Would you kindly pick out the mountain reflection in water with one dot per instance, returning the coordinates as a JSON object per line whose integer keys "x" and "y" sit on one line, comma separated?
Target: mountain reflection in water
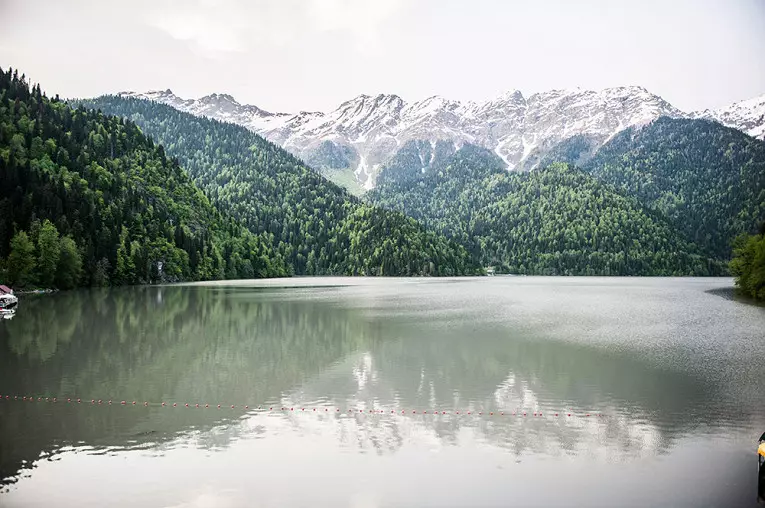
{"x": 344, "y": 348}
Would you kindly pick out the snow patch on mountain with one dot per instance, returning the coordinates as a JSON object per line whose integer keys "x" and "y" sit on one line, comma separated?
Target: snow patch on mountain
{"x": 747, "y": 116}
{"x": 519, "y": 129}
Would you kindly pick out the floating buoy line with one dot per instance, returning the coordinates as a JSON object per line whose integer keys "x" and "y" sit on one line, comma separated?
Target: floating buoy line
{"x": 298, "y": 409}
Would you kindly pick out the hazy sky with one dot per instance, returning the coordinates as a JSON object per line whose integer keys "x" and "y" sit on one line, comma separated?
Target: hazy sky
{"x": 290, "y": 55}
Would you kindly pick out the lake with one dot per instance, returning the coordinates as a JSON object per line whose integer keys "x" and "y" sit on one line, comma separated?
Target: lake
{"x": 342, "y": 379}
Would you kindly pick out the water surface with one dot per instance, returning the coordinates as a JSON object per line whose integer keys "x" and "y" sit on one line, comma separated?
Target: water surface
{"x": 670, "y": 372}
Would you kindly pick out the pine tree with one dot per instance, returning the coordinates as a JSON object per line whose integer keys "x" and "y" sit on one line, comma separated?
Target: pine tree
{"x": 21, "y": 261}
{"x": 48, "y": 252}
{"x": 69, "y": 270}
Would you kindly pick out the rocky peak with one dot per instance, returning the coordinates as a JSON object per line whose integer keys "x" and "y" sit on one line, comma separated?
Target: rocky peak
{"x": 519, "y": 129}
{"x": 747, "y": 115}
{"x": 222, "y": 98}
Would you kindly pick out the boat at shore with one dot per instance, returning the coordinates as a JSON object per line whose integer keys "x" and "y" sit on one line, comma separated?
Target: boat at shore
{"x": 8, "y": 301}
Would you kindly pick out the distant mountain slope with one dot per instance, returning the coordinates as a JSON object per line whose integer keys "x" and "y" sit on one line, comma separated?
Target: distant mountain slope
{"x": 521, "y": 130}
{"x": 557, "y": 220}
{"x": 373, "y": 128}
{"x": 317, "y": 226}
{"x": 124, "y": 210}
{"x": 709, "y": 180}
{"x": 747, "y": 116}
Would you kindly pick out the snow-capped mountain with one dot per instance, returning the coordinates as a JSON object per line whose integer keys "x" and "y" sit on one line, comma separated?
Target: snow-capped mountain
{"x": 518, "y": 129}
{"x": 747, "y": 116}
{"x": 222, "y": 107}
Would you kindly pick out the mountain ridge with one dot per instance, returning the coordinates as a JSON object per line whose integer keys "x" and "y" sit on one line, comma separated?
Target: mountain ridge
{"x": 316, "y": 226}
{"x": 519, "y": 129}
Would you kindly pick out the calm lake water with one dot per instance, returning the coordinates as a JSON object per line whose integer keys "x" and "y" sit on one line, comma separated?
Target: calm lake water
{"x": 672, "y": 372}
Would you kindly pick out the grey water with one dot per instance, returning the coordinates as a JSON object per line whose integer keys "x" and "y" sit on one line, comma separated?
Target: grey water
{"x": 671, "y": 372}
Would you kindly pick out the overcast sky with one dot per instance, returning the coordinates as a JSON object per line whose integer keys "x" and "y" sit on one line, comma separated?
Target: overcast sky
{"x": 290, "y": 55}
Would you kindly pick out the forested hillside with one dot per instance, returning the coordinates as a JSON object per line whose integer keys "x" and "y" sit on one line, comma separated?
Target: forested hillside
{"x": 88, "y": 199}
{"x": 709, "y": 180}
{"x": 318, "y": 227}
{"x": 556, "y": 220}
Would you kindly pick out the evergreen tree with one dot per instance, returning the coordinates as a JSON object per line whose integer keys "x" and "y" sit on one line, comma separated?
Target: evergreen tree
{"x": 708, "y": 180}
{"x": 100, "y": 277}
{"x": 48, "y": 252}
{"x": 98, "y": 181}
{"x": 315, "y": 225}
{"x": 69, "y": 270}
{"x": 552, "y": 221}
{"x": 21, "y": 261}
{"x": 748, "y": 264}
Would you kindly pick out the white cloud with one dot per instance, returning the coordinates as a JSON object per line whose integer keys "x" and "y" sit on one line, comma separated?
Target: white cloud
{"x": 216, "y": 26}
{"x": 361, "y": 18}
{"x": 200, "y": 22}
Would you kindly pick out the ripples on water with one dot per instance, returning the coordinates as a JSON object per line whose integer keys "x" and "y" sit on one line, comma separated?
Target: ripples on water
{"x": 669, "y": 364}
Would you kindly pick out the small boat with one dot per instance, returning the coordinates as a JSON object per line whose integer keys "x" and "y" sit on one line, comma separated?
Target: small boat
{"x": 8, "y": 301}
{"x": 761, "y": 451}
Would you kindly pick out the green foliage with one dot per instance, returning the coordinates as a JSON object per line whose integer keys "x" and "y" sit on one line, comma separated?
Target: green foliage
{"x": 413, "y": 251}
{"x": 48, "y": 253}
{"x": 21, "y": 261}
{"x": 709, "y": 180}
{"x": 748, "y": 264}
{"x": 69, "y": 269}
{"x": 556, "y": 220}
{"x": 317, "y": 227}
{"x": 132, "y": 213}
{"x": 413, "y": 159}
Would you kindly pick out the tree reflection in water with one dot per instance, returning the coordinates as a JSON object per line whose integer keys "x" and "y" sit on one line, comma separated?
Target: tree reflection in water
{"x": 237, "y": 346}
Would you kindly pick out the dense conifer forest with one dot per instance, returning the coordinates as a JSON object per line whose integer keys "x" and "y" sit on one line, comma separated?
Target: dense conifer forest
{"x": 121, "y": 190}
{"x": 555, "y": 220}
{"x": 317, "y": 227}
{"x": 707, "y": 179}
{"x": 88, "y": 199}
